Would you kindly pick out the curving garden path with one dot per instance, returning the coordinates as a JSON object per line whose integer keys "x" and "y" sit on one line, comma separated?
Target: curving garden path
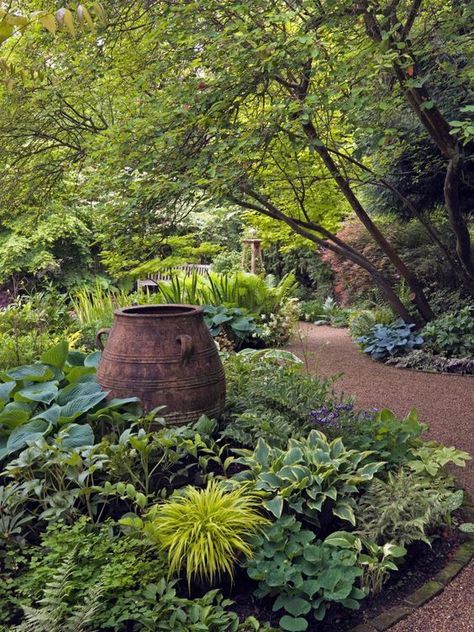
{"x": 445, "y": 402}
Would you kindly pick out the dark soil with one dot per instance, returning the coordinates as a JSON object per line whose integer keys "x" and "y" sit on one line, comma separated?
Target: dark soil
{"x": 422, "y": 564}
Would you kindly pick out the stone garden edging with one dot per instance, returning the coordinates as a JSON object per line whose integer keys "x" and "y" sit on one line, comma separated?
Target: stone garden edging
{"x": 429, "y": 589}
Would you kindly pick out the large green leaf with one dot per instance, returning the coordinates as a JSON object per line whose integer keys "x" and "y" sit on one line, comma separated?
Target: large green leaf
{"x": 293, "y": 624}
{"x": 5, "y": 390}
{"x": 78, "y": 389}
{"x": 51, "y": 415}
{"x": 77, "y": 407}
{"x": 78, "y": 372}
{"x": 77, "y": 435}
{"x": 14, "y": 415}
{"x": 113, "y": 404}
{"x": 31, "y": 431}
{"x": 43, "y": 392}
{"x": 76, "y": 358}
{"x": 274, "y": 506}
{"x": 31, "y": 373}
{"x": 56, "y": 356}
{"x": 93, "y": 359}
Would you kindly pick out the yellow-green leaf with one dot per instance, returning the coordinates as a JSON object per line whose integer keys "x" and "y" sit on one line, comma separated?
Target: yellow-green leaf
{"x": 48, "y": 21}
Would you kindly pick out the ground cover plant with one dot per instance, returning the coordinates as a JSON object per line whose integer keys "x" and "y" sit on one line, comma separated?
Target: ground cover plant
{"x": 279, "y": 492}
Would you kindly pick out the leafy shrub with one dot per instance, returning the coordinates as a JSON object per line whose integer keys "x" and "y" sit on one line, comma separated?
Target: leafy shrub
{"x": 451, "y": 334}
{"x": 385, "y": 436}
{"x": 362, "y": 321}
{"x": 405, "y": 507}
{"x": 227, "y": 261}
{"x": 305, "y": 575}
{"x": 135, "y": 593}
{"x": 235, "y": 324}
{"x": 313, "y": 477}
{"x": 327, "y": 313}
{"x": 56, "y": 392}
{"x": 390, "y": 340}
{"x": 252, "y": 385}
{"x": 275, "y": 329}
{"x": 29, "y": 325}
{"x": 205, "y": 531}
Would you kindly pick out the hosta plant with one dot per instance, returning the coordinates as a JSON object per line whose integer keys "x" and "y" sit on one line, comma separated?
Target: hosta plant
{"x": 206, "y": 532}
{"x": 36, "y": 400}
{"x": 312, "y": 475}
{"x": 389, "y": 340}
{"x": 303, "y": 575}
{"x": 376, "y": 561}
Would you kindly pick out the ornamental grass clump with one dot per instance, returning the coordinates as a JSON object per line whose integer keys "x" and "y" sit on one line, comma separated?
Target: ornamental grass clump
{"x": 205, "y": 531}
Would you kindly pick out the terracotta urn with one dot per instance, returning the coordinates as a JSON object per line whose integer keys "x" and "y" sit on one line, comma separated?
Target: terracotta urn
{"x": 165, "y": 355}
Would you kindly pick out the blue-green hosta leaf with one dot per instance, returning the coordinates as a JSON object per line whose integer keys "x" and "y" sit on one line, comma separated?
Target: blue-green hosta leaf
{"x": 51, "y": 415}
{"x": 93, "y": 359}
{"x": 56, "y": 356}
{"x": 3, "y": 447}
{"x": 43, "y": 392}
{"x": 5, "y": 390}
{"x": 292, "y": 624}
{"x": 274, "y": 506}
{"x": 31, "y": 431}
{"x": 114, "y": 404}
{"x": 79, "y": 389}
{"x": 76, "y": 436}
{"x": 76, "y": 358}
{"x": 78, "y": 372}
{"x": 15, "y": 414}
{"x": 31, "y": 372}
{"x": 344, "y": 511}
{"x": 77, "y": 407}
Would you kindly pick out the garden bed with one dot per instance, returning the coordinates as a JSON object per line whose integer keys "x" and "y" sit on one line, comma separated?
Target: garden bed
{"x": 422, "y": 565}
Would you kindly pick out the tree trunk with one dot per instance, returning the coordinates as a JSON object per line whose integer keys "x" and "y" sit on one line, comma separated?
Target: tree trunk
{"x": 418, "y": 297}
{"x": 337, "y": 246}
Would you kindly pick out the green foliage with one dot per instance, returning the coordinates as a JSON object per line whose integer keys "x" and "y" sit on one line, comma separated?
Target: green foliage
{"x": 386, "y": 436}
{"x": 405, "y": 508}
{"x": 267, "y": 381}
{"x": 54, "y": 394}
{"x": 313, "y": 476}
{"x": 29, "y": 325}
{"x": 51, "y": 616}
{"x": 227, "y": 261}
{"x": 95, "y": 305}
{"x": 232, "y": 320}
{"x": 451, "y": 334}
{"x": 327, "y": 313}
{"x": 376, "y": 561}
{"x": 205, "y": 531}
{"x": 305, "y": 575}
{"x": 362, "y": 321}
{"x": 390, "y": 340}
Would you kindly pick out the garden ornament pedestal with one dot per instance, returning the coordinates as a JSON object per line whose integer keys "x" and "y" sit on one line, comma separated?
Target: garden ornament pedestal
{"x": 165, "y": 355}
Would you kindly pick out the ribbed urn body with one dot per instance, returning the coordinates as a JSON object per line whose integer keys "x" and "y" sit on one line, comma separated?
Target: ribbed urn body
{"x": 165, "y": 355}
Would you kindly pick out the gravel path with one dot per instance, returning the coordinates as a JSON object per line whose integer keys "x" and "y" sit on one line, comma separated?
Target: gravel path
{"x": 445, "y": 402}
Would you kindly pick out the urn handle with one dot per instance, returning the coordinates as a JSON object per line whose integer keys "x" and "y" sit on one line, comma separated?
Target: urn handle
{"x": 98, "y": 338}
{"x": 187, "y": 347}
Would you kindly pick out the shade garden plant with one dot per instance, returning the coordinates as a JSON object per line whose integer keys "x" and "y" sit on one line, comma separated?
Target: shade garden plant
{"x": 112, "y": 520}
